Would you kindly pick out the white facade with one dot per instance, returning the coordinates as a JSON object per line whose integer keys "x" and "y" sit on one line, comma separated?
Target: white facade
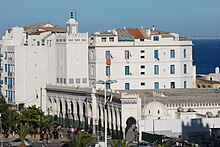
{"x": 33, "y": 58}
{"x": 142, "y": 59}
{"x": 174, "y": 113}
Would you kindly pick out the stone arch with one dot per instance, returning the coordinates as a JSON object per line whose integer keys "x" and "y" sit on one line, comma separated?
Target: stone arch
{"x": 60, "y": 112}
{"x": 130, "y": 128}
{"x": 99, "y": 129}
{"x": 66, "y": 116}
{"x": 78, "y": 115}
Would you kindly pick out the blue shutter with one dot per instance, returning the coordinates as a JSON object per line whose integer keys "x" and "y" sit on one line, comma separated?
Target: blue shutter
{"x": 156, "y": 55}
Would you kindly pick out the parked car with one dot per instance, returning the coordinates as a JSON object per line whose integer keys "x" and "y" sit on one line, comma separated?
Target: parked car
{"x": 17, "y": 143}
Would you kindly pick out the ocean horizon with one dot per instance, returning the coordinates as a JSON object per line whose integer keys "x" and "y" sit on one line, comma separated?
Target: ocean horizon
{"x": 206, "y": 55}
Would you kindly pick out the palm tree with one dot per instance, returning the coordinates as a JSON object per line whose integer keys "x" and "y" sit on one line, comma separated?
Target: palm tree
{"x": 10, "y": 119}
{"x": 84, "y": 139}
{"x": 117, "y": 143}
{"x": 22, "y": 132}
{"x": 47, "y": 122}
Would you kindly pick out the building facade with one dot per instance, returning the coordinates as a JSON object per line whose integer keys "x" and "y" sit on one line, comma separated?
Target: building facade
{"x": 140, "y": 58}
{"x": 42, "y": 53}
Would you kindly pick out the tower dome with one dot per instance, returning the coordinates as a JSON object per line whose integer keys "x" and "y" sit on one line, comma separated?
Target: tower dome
{"x": 72, "y": 25}
{"x": 154, "y": 109}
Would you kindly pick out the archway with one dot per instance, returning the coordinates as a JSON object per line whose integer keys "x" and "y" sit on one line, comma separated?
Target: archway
{"x": 130, "y": 130}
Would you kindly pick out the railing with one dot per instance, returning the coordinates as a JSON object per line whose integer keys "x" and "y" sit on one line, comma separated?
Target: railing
{"x": 183, "y": 38}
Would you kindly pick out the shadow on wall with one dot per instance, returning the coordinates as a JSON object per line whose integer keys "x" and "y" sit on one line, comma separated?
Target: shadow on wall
{"x": 195, "y": 130}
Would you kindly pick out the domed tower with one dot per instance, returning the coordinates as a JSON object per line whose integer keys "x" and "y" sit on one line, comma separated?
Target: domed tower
{"x": 72, "y": 25}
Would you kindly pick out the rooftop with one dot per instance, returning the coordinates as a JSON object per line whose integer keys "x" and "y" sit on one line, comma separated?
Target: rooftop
{"x": 37, "y": 28}
{"x": 129, "y": 34}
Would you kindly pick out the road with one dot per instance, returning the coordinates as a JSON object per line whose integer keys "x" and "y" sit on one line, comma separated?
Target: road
{"x": 39, "y": 144}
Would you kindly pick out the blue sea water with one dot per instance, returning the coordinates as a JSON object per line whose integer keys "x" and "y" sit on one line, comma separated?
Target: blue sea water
{"x": 206, "y": 55}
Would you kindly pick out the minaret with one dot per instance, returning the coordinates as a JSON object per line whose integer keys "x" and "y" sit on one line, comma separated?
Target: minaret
{"x": 72, "y": 25}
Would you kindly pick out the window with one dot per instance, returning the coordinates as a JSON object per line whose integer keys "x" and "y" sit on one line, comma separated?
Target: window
{"x": 92, "y": 55}
{"x": 156, "y": 69}
{"x": 6, "y": 69}
{"x": 185, "y": 69}
{"x": 142, "y": 57}
{"x": 64, "y": 80}
{"x": 156, "y": 54}
{"x": 156, "y": 85}
{"x": 142, "y": 73}
{"x": 108, "y": 86}
{"x": 92, "y": 71}
{"x": 107, "y": 55}
{"x": 5, "y": 80}
{"x": 71, "y": 81}
{"x": 142, "y": 66}
{"x": 156, "y": 38}
{"x": 61, "y": 80}
{"x": 184, "y": 53}
{"x": 127, "y": 54}
{"x": 172, "y": 69}
{"x": 142, "y": 39}
{"x": 142, "y": 83}
{"x": 127, "y": 70}
{"x": 57, "y": 80}
{"x": 142, "y": 51}
{"x": 185, "y": 84}
{"x": 172, "y": 53}
{"x": 38, "y": 43}
{"x": 103, "y": 39}
{"x": 107, "y": 71}
{"x": 127, "y": 86}
{"x": 172, "y": 85}
{"x": 111, "y": 39}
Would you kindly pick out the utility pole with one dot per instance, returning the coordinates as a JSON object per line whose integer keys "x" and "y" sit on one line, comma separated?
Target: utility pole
{"x": 1, "y": 129}
{"x": 40, "y": 105}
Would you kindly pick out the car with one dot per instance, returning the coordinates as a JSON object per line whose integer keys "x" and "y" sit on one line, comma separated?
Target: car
{"x": 17, "y": 143}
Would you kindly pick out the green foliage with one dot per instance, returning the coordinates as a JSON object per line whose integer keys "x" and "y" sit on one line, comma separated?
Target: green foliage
{"x": 10, "y": 119}
{"x": 31, "y": 115}
{"x": 3, "y": 105}
{"x": 118, "y": 143}
{"x": 47, "y": 122}
{"x": 22, "y": 132}
{"x": 83, "y": 139}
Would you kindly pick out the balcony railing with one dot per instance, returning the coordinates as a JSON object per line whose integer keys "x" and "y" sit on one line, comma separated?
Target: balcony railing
{"x": 183, "y": 38}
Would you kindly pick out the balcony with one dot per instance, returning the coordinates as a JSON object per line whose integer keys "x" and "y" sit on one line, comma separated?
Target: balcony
{"x": 1, "y": 55}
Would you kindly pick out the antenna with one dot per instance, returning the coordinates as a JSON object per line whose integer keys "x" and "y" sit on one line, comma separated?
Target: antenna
{"x": 75, "y": 16}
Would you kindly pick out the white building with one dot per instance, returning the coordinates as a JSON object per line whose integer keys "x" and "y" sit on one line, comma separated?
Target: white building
{"x": 39, "y": 54}
{"x": 140, "y": 58}
{"x": 181, "y": 112}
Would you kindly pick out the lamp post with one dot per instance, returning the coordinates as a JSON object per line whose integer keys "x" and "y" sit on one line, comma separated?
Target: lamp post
{"x": 1, "y": 129}
{"x": 105, "y": 102}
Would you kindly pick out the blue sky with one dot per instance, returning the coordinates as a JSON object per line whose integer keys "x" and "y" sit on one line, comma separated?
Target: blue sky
{"x": 186, "y": 17}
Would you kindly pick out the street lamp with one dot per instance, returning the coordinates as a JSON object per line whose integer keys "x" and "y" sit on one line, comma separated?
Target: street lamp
{"x": 1, "y": 129}
{"x": 105, "y": 101}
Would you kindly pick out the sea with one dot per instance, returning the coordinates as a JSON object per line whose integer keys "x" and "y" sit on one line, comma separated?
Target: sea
{"x": 206, "y": 55}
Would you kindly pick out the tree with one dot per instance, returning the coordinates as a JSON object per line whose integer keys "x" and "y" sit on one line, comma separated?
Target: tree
{"x": 31, "y": 115}
{"x": 118, "y": 143}
{"x": 22, "y": 132}
{"x": 84, "y": 139}
{"x": 3, "y": 105}
{"x": 10, "y": 119}
{"x": 47, "y": 122}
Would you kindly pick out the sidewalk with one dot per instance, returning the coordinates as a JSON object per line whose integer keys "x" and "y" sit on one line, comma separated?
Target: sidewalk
{"x": 37, "y": 139}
